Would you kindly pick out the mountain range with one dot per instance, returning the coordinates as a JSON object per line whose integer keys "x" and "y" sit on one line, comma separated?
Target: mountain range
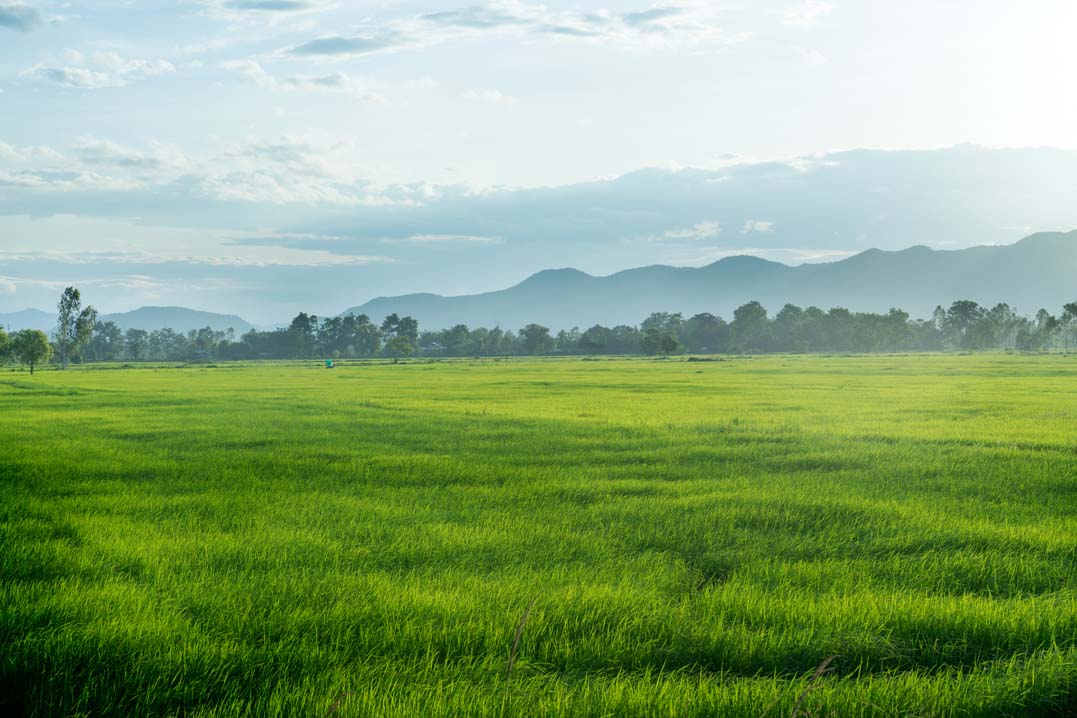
{"x": 1038, "y": 271}
{"x": 179, "y": 319}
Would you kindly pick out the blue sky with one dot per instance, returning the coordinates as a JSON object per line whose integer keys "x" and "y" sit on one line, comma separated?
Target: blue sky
{"x": 262, "y": 156}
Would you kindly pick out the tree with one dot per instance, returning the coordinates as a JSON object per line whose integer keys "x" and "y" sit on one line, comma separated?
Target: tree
{"x": 168, "y": 344}
{"x": 457, "y": 341}
{"x": 650, "y": 341}
{"x": 705, "y": 333}
{"x": 74, "y": 324}
{"x": 302, "y": 331}
{"x": 669, "y": 344}
{"x": 536, "y": 339}
{"x": 31, "y": 346}
{"x": 408, "y": 327}
{"x": 786, "y": 329}
{"x": 567, "y": 342}
{"x": 479, "y": 341}
{"x": 659, "y": 333}
{"x": 961, "y": 317}
{"x": 623, "y": 339}
{"x": 5, "y": 345}
{"x": 333, "y": 335}
{"x": 394, "y": 326}
{"x": 750, "y": 328}
{"x": 663, "y": 322}
{"x": 351, "y": 335}
{"x": 897, "y": 333}
{"x": 595, "y": 340}
{"x": 1069, "y": 325}
{"x": 137, "y": 340}
{"x": 400, "y": 345}
{"x": 1046, "y": 326}
{"x": 389, "y": 325}
{"x": 107, "y": 341}
{"x": 1000, "y": 327}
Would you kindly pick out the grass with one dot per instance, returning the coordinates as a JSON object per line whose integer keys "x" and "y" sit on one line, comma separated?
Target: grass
{"x": 696, "y": 538}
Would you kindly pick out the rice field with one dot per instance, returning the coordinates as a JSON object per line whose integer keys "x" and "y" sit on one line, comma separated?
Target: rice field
{"x": 542, "y": 538}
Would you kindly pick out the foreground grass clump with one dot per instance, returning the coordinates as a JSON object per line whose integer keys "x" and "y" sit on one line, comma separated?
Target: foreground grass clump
{"x": 282, "y": 540}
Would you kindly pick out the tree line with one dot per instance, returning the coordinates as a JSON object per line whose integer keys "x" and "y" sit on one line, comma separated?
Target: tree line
{"x": 964, "y": 326}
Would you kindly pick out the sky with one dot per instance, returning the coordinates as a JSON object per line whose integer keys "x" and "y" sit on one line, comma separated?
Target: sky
{"x": 265, "y": 156}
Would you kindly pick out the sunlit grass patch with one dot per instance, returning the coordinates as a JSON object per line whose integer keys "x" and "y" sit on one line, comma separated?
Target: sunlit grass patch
{"x": 696, "y": 538}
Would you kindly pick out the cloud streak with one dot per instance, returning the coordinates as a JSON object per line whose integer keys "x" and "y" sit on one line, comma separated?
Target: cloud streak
{"x": 336, "y": 45}
{"x": 311, "y": 258}
{"x": 270, "y": 12}
{"x": 19, "y": 17}
{"x": 756, "y": 225}
{"x": 806, "y": 13}
{"x": 697, "y": 232}
{"x": 98, "y": 71}
{"x": 336, "y": 82}
{"x": 469, "y": 238}
{"x": 662, "y": 25}
{"x": 93, "y": 151}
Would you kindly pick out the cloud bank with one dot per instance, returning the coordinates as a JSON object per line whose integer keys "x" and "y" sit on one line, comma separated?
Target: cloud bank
{"x": 18, "y": 17}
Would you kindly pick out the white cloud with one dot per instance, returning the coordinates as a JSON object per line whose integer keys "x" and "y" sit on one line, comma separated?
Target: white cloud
{"x": 449, "y": 238}
{"x": 697, "y": 232}
{"x": 256, "y": 256}
{"x": 63, "y": 180}
{"x": 32, "y": 153}
{"x": 94, "y": 151}
{"x": 806, "y": 13}
{"x": 18, "y": 16}
{"x": 270, "y": 12}
{"x": 76, "y": 77}
{"x": 756, "y": 225}
{"x": 7, "y": 286}
{"x": 812, "y": 56}
{"x": 290, "y": 169}
{"x": 131, "y": 245}
{"x": 97, "y": 71}
{"x": 339, "y": 82}
{"x": 494, "y": 97}
{"x": 283, "y": 170}
{"x": 690, "y": 23}
{"x": 148, "y": 285}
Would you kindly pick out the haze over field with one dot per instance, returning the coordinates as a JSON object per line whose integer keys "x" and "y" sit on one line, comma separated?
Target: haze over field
{"x": 1034, "y": 273}
{"x": 504, "y": 358}
{"x": 263, "y": 158}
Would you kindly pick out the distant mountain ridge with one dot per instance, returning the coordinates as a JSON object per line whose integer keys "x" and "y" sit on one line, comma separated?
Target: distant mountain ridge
{"x": 28, "y": 319}
{"x": 1038, "y": 271}
{"x": 179, "y": 319}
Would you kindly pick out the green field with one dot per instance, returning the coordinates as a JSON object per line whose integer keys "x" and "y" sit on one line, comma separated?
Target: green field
{"x": 696, "y": 538}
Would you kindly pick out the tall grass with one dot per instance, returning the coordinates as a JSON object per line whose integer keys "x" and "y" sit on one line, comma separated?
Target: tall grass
{"x": 279, "y": 540}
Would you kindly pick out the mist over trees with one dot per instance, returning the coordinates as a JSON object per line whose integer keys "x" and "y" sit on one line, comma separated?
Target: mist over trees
{"x": 964, "y": 326}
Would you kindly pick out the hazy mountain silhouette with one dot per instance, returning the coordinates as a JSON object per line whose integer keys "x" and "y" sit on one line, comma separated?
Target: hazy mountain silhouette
{"x": 1038, "y": 271}
{"x": 179, "y": 319}
{"x": 28, "y": 319}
